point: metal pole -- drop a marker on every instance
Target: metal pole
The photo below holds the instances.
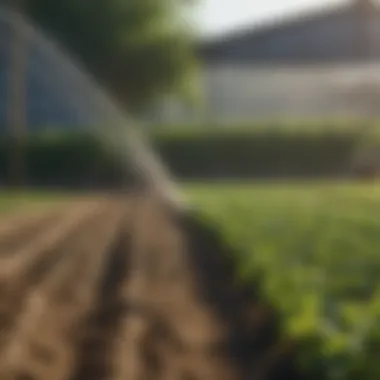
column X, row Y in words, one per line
column 16, row 107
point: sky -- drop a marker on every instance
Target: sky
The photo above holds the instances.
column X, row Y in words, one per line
column 216, row 17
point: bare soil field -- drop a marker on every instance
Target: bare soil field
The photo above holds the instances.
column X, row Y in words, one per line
column 128, row 289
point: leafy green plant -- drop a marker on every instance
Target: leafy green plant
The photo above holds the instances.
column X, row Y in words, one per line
column 318, row 248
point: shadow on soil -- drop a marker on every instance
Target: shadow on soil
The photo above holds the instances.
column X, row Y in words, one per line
column 256, row 343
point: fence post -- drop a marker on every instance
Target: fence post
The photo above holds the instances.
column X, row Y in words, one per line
column 16, row 102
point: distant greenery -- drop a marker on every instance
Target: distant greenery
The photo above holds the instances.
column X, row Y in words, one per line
column 257, row 152
column 64, row 160
column 292, row 126
column 11, row 201
column 268, row 150
column 318, row 247
column 139, row 48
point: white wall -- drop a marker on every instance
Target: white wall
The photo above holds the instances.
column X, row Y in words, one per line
column 244, row 94
column 247, row 93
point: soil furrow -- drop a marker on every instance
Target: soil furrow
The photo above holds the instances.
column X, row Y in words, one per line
column 14, row 236
column 21, row 273
column 45, row 338
column 130, row 290
column 95, row 360
column 167, row 333
column 255, row 343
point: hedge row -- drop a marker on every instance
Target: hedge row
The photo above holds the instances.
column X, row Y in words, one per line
column 64, row 160
column 272, row 153
column 201, row 154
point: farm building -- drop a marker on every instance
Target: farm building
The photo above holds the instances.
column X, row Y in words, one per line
column 320, row 65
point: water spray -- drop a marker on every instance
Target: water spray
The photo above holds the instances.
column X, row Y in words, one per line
column 100, row 113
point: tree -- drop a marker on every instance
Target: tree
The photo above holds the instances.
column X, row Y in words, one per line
column 138, row 48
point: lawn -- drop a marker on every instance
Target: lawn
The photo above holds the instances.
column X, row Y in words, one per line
column 319, row 247
column 15, row 201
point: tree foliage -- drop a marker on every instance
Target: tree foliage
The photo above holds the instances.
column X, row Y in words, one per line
column 138, row 48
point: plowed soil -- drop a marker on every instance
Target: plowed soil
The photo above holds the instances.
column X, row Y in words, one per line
column 129, row 289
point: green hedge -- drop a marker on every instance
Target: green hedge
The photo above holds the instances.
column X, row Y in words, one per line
column 196, row 154
column 259, row 153
column 64, row 160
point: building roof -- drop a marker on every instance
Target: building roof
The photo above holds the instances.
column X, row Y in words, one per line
column 351, row 23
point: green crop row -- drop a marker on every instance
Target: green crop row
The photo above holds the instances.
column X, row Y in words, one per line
column 318, row 247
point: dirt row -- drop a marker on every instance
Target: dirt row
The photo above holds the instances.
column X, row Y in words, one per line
column 128, row 289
